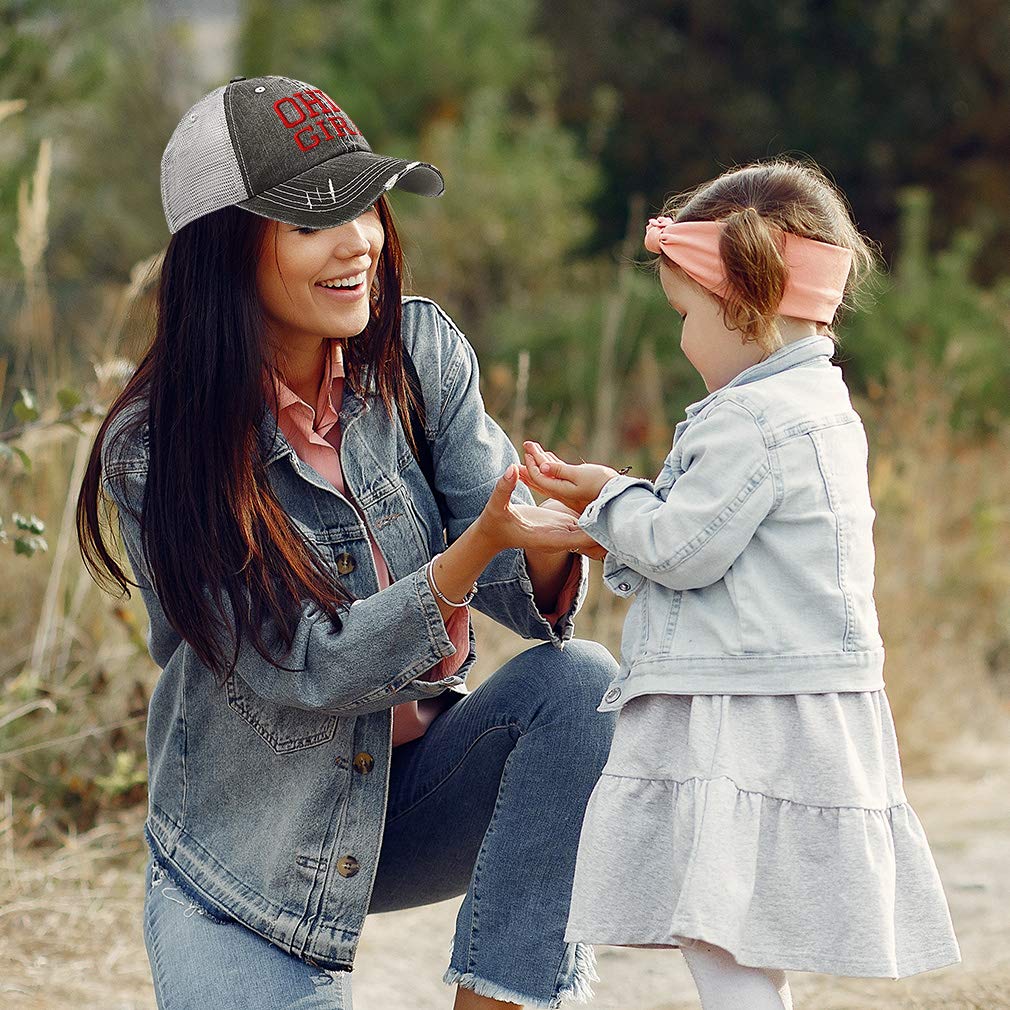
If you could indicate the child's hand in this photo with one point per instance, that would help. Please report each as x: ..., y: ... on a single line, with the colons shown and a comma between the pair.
x: 575, y: 485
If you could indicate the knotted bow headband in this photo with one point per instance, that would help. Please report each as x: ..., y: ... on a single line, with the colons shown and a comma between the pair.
x: 817, y: 271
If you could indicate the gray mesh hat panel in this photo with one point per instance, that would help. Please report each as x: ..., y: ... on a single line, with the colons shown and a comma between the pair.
x: 199, y: 170
x: 283, y: 149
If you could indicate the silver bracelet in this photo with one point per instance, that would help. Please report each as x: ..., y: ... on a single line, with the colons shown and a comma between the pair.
x: 430, y: 574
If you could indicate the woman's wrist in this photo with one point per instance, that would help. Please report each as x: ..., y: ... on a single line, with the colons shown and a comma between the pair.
x: 456, y: 569
x: 548, y: 571
x: 488, y: 539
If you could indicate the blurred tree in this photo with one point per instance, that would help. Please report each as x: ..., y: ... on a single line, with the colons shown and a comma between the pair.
x: 472, y: 92
x: 98, y: 80
x: 883, y: 95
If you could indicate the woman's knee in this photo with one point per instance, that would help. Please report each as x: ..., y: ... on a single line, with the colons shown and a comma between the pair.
x: 568, y: 683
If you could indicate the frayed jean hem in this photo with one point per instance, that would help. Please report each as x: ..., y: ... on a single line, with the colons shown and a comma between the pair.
x: 574, y: 986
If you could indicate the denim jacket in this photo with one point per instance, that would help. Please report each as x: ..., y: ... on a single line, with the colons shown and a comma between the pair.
x: 267, y: 798
x: 751, y: 555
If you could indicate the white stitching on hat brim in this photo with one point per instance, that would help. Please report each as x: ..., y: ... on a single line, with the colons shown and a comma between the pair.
x: 347, y: 190
x: 346, y: 194
x: 363, y: 182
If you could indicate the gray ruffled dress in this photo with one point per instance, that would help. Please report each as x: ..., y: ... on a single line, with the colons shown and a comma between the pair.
x: 773, y: 826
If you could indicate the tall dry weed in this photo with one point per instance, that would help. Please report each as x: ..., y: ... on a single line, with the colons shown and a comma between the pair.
x: 942, y: 537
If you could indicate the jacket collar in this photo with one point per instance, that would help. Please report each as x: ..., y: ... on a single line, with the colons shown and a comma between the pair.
x: 799, y: 352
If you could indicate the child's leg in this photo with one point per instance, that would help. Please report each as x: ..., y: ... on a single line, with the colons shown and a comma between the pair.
x: 725, y: 985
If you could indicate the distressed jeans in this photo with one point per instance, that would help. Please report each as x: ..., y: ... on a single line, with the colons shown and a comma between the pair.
x: 488, y: 803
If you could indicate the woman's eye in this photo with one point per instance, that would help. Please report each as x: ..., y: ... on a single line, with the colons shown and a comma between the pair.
x: 305, y: 230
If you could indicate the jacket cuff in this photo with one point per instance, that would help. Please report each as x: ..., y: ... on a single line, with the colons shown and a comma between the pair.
x: 560, y: 628
x: 438, y: 635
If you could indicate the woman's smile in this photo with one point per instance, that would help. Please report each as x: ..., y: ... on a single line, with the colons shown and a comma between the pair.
x: 348, y: 288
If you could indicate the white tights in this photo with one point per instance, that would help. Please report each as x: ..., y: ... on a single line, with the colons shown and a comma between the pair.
x: 725, y: 985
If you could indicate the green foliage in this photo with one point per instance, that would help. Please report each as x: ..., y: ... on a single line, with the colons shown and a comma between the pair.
x: 29, y: 540
x: 931, y: 308
x: 884, y: 95
x: 25, y: 409
x: 474, y: 95
x: 100, y: 79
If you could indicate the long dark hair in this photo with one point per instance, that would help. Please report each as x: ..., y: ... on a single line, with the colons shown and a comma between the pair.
x: 221, y: 550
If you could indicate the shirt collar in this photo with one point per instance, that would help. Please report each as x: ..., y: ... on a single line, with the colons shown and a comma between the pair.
x: 799, y: 352
x: 333, y: 372
x: 272, y: 439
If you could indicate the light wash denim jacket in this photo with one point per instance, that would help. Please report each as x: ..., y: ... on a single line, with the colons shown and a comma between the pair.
x: 267, y: 799
x: 751, y: 556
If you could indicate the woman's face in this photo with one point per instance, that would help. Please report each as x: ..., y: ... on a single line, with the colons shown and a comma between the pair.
x: 314, y: 285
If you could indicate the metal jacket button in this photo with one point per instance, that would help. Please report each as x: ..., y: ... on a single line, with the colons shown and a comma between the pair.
x: 345, y: 563
x: 363, y: 762
x: 347, y: 866
x: 624, y: 587
x: 613, y: 694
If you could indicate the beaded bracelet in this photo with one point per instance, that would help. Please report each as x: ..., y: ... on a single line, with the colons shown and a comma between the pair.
x: 430, y: 574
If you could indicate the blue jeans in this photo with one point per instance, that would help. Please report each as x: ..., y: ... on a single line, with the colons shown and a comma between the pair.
x: 488, y: 802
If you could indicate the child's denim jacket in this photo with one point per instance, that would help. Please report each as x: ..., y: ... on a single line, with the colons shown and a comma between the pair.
x: 751, y: 556
x: 267, y: 797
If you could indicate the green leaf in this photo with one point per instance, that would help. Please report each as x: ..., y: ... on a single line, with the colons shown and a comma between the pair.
x: 32, y: 524
x: 68, y: 398
x: 26, y: 461
x: 25, y: 409
x: 29, y: 545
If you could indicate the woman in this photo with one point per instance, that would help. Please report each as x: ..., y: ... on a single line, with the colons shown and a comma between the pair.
x: 309, y: 492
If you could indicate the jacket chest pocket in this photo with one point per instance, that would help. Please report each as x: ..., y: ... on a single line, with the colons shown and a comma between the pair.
x: 283, y: 728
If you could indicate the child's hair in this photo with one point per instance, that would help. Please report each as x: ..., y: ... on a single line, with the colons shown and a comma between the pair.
x: 796, y: 197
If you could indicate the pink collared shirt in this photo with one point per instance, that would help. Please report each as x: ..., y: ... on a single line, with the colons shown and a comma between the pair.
x: 314, y: 434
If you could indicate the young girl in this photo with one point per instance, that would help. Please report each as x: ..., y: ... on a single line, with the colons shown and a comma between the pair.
x: 751, y: 811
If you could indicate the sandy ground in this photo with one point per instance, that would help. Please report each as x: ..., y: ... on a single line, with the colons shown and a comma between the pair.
x: 70, y: 927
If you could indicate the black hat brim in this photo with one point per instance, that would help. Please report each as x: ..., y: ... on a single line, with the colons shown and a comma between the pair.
x: 339, y: 190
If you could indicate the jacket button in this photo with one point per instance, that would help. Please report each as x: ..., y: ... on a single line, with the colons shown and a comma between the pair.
x: 613, y: 694
x: 624, y: 587
x: 345, y: 563
x: 347, y: 866
x: 363, y: 762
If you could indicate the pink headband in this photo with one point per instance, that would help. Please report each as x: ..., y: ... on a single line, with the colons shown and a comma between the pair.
x: 817, y: 273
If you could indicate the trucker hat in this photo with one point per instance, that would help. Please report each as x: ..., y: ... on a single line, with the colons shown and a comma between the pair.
x: 282, y: 149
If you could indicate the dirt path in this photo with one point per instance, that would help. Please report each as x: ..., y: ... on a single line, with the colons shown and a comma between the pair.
x: 70, y: 935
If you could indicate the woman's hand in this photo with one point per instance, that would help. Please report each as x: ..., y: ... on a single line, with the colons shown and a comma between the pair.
x: 592, y: 549
x: 504, y: 524
x: 573, y: 484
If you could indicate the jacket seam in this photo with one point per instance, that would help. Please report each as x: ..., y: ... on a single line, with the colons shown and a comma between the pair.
x: 839, y: 542
x: 721, y: 521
